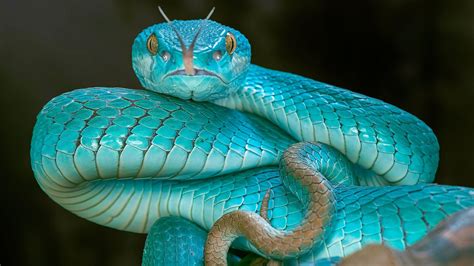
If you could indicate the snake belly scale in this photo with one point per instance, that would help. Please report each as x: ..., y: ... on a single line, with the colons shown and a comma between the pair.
x: 212, y: 136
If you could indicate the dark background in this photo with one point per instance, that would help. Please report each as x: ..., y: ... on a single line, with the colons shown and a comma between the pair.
x: 418, y: 55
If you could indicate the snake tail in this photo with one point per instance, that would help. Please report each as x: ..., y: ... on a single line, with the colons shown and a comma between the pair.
x: 305, y: 180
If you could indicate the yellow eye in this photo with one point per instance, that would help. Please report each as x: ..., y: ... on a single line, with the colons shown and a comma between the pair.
x: 230, y: 43
x: 152, y: 44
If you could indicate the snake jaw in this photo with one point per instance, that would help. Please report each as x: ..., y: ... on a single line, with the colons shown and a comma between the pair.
x: 195, y: 71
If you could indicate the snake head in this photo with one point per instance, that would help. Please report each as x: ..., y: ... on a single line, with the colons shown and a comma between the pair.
x: 200, y: 60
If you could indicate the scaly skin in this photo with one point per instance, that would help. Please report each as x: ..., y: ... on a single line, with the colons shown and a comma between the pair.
x: 126, y: 158
x: 451, y: 242
x: 105, y: 192
x: 306, y: 179
x: 389, y: 142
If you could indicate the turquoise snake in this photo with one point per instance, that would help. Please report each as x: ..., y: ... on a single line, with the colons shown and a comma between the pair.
x: 205, y: 139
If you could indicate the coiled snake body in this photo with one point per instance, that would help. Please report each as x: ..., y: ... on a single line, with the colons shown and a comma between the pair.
x: 290, y: 168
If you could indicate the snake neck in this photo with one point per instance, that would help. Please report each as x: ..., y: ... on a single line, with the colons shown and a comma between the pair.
x: 388, y: 145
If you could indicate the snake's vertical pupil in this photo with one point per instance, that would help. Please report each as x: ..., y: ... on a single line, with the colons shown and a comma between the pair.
x: 230, y: 43
x: 152, y: 44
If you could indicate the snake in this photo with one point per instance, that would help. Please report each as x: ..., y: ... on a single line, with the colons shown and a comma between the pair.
x: 217, y: 154
x: 451, y: 242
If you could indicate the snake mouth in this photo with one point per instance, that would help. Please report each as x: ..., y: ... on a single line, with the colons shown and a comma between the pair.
x: 197, y: 72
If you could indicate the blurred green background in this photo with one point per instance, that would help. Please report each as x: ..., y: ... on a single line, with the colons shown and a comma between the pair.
x: 418, y: 55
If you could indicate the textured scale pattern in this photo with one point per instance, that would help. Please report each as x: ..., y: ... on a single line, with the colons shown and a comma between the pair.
x: 175, y: 237
x: 129, y: 159
x: 370, y: 133
x: 132, y: 133
x: 133, y: 205
x: 308, y: 181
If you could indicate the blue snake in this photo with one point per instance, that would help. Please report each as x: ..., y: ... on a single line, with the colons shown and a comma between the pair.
x: 218, y: 153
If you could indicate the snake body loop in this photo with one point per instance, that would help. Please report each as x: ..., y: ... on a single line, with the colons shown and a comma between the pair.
x: 311, y: 187
x: 205, y: 149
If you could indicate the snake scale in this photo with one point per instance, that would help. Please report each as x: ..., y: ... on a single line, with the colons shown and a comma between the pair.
x: 270, y: 162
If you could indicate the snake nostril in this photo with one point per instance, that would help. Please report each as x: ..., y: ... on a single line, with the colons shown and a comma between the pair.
x: 165, y: 56
x: 217, y: 55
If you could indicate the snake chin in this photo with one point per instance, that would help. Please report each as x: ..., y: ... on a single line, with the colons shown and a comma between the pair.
x: 200, y: 87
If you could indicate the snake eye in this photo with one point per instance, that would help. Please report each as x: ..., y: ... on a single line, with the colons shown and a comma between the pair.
x: 230, y: 43
x: 152, y: 44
